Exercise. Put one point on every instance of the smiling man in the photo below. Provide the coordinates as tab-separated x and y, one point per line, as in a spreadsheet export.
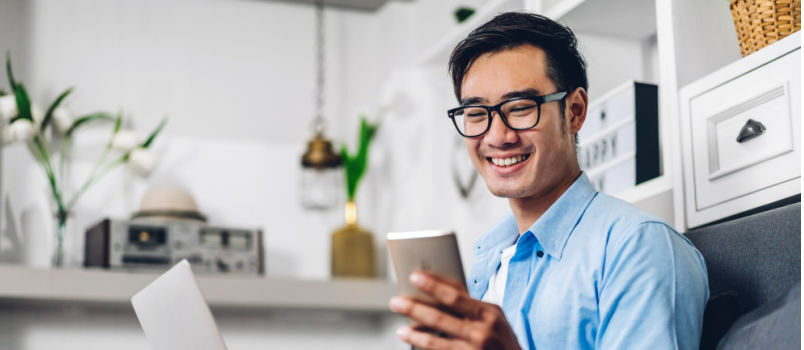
569	268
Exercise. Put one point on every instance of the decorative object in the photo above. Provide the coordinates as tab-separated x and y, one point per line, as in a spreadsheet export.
28	124
763	22
352	246
11	245
169	203
463	13
321	177
619	141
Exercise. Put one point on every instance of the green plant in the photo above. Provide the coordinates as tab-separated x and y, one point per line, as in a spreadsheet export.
354	165
463	13
26	123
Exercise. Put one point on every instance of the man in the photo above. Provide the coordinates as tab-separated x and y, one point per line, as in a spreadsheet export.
569	268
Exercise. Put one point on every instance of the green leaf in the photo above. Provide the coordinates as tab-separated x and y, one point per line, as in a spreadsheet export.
53	106
355	165
23	102
11	80
85	119
20	94
118	123
153	135
463	13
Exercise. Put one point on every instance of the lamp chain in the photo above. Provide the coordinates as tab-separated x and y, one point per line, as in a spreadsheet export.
318	123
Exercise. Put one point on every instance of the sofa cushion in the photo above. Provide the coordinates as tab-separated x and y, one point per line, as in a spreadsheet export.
774	325
758	256
752	259
720	313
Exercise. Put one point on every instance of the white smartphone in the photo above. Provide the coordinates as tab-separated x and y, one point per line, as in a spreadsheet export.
434	251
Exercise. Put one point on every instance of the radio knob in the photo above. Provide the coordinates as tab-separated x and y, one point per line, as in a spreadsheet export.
223	266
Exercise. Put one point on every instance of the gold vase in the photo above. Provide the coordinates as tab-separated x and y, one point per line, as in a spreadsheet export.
352	248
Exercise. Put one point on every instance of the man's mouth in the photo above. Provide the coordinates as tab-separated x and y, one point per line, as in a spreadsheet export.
509	161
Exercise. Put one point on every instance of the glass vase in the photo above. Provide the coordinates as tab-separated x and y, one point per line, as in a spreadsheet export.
58	260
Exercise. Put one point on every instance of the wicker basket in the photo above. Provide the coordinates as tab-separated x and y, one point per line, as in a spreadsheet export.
762	22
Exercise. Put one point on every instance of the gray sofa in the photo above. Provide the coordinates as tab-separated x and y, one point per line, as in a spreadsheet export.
754	267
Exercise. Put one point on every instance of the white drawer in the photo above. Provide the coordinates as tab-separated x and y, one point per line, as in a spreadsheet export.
724	176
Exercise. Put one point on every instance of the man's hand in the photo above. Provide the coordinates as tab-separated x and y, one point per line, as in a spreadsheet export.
469	323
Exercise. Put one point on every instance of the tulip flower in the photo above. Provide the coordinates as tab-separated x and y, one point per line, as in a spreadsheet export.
19	130
62	119
8	108
142	161
124	141
38	114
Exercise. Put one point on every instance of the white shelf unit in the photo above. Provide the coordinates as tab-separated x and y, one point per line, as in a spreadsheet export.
26	285
438	54
676	42
358	5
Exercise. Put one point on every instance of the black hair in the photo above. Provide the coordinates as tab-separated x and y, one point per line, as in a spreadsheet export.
565	65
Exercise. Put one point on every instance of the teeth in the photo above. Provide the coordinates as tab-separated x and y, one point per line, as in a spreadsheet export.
504	162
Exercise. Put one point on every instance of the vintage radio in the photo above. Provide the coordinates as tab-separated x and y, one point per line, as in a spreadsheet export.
143	244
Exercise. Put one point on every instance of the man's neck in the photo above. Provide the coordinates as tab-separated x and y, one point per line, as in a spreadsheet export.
528	210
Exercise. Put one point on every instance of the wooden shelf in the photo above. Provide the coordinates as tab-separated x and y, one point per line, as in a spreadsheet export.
21	284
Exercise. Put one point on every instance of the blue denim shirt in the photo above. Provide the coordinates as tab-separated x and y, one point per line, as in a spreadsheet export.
596	273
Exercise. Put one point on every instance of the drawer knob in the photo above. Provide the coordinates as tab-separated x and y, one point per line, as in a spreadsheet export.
750	130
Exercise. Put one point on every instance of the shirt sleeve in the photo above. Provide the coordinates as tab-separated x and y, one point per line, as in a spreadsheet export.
653	291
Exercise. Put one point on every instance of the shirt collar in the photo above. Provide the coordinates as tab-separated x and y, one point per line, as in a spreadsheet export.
503	234
554	227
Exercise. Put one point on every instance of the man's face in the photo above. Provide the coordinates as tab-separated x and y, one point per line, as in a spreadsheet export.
542	156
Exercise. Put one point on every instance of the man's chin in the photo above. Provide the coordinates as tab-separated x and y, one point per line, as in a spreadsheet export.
506	192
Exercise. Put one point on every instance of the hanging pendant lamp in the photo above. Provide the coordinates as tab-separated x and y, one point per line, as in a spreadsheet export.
322	176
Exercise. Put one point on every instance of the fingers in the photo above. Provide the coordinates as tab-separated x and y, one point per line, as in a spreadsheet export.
427	340
454	298
431	317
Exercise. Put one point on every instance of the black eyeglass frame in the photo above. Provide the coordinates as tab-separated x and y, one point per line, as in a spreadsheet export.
490	110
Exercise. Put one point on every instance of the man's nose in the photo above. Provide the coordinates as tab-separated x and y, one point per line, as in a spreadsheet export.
499	135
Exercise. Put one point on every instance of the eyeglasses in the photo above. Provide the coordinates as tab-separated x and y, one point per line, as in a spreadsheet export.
518	113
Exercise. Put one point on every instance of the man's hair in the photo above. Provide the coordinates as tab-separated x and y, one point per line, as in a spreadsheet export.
565	65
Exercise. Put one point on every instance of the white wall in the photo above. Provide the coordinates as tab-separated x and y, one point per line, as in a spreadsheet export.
232	69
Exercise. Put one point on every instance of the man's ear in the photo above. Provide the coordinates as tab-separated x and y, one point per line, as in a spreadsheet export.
577	102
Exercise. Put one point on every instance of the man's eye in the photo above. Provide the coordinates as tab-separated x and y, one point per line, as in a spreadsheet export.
522	109
476	114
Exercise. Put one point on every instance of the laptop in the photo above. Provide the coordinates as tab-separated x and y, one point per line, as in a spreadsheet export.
174	315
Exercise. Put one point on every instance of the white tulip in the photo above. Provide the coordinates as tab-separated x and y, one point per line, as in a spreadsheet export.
38	114
62	119
142	161
19	130
8	107
124	141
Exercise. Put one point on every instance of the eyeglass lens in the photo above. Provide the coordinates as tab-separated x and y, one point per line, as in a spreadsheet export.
519	114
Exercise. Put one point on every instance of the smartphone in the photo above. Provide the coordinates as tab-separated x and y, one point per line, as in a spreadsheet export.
433	251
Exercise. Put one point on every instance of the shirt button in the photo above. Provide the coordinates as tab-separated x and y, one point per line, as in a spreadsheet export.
475	281
540	253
